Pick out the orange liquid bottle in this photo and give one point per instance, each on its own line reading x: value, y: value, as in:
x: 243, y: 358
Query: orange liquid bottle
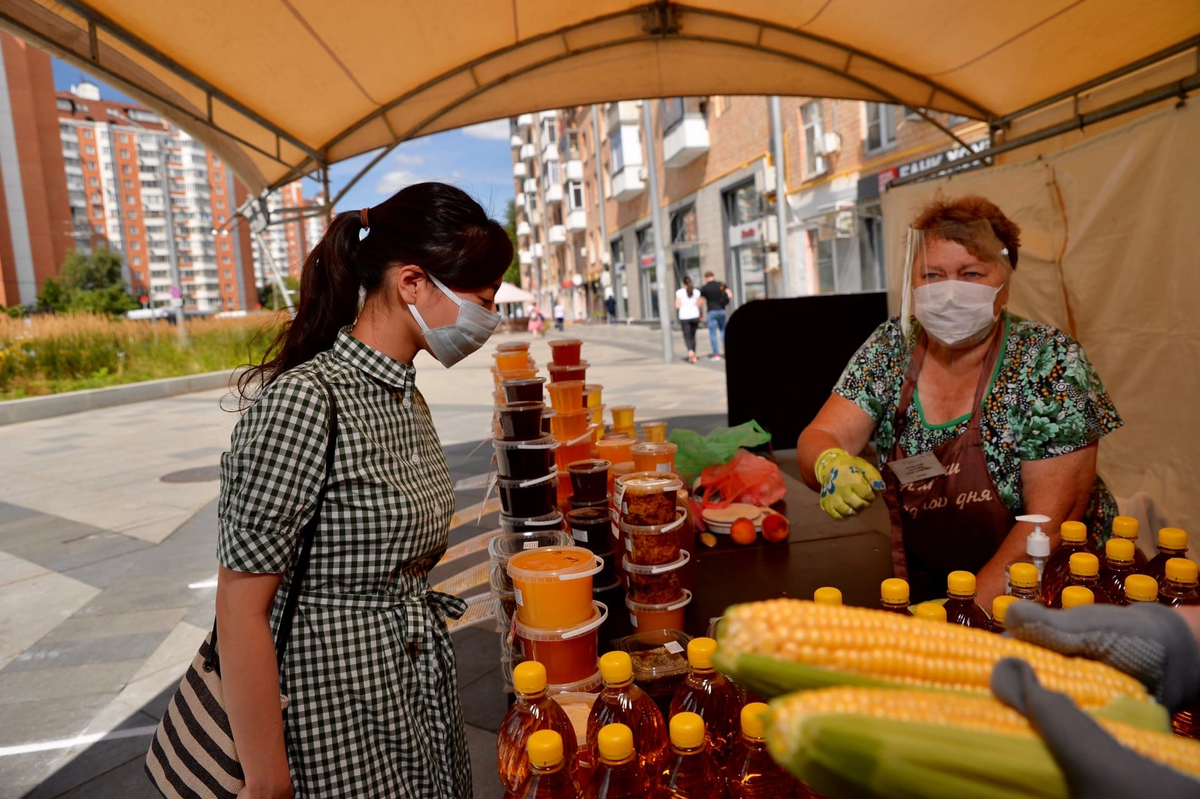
x: 1074, y: 596
x: 961, y: 607
x: 1056, y: 574
x: 1085, y: 572
x: 1138, y: 588
x: 1127, y: 527
x: 751, y: 772
x: 711, y: 696
x: 1179, y: 583
x: 548, y: 777
x: 1172, y: 543
x: 618, y: 775
x: 533, y: 710
x: 1119, y: 563
x: 622, y: 702
x: 1000, y: 610
x: 894, y: 595
x: 690, y: 772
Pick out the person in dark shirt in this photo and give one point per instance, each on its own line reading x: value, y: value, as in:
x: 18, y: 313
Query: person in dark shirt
x: 610, y: 305
x: 716, y: 297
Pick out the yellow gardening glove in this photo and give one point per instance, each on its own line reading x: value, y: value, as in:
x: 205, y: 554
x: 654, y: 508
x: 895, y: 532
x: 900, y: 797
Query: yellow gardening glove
x: 848, y: 484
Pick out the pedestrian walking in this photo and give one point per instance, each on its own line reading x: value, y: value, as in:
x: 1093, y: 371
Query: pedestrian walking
x: 687, y: 304
x: 560, y: 314
x: 716, y: 297
x: 610, y: 305
x: 537, y: 322
x: 373, y: 706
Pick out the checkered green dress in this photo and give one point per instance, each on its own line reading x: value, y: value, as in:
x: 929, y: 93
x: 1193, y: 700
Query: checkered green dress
x: 369, y: 669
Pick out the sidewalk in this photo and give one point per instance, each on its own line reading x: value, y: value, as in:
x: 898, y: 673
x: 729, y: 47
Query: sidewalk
x: 107, y: 542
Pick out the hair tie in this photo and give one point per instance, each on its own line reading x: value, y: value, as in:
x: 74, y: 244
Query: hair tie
x: 362, y: 217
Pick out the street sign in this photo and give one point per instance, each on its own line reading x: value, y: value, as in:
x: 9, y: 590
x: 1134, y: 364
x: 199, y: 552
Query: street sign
x: 175, y: 293
x: 144, y: 299
x: 176, y: 302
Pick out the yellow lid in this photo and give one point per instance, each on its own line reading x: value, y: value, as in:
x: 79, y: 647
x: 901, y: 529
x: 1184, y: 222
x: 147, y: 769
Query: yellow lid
x: 615, y: 742
x: 754, y: 720
x: 687, y: 730
x: 893, y: 589
x: 529, y: 677
x: 827, y: 596
x: 1181, y: 570
x: 1139, y: 588
x: 700, y: 652
x: 1118, y: 549
x: 616, y: 667
x: 1075, y: 532
x: 961, y: 582
x: 1075, y: 595
x: 1023, y: 575
x: 544, y: 748
x: 1172, y: 538
x: 930, y: 611
x: 1000, y: 606
x: 1125, y: 527
x: 1085, y: 564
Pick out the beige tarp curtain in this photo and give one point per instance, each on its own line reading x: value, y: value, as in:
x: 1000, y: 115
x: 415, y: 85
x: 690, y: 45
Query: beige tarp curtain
x: 1111, y: 253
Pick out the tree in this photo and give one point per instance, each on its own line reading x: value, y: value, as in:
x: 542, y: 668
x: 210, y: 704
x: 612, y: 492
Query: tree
x: 513, y: 273
x: 52, y: 298
x: 88, y: 283
x: 270, y: 298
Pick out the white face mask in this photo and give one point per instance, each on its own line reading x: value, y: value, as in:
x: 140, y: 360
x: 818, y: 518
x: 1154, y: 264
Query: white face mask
x: 470, y: 331
x: 955, y: 313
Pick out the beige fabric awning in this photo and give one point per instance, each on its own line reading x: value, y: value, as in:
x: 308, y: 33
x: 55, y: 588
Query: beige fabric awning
x: 280, y: 88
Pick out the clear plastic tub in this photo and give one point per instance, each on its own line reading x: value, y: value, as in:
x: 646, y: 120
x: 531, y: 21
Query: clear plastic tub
x: 622, y: 415
x: 568, y: 653
x: 521, y: 421
x: 596, y: 416
x: 654, y: 585
x: 565, y: 351
x: 517, y: 524
x: 592, y: 528
x: 571, y: 450
x: 498, y: 399
x: 566, y: 425
x: 654, y: 432
x: 502, y: 548
x: 511, y: 360
x: 659, y: 658
x: 645, y: 498
x: 653, y: 456
x: 553, y: 586
x: 593, y: 394
x: 500, y: 378
x: 566, y: 395
x: 576, y: 503
x: 615, y: 450
x: 525, y: 460
x: 589, y: 478
x: 528, y: 498
x: 653, y: 544
x: 661, y: 616
x: 529, y: 389
x: 510, y: 346
x: 591, y: 686
x: 563, y: 372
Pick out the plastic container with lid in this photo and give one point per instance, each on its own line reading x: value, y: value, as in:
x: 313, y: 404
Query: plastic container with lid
x: 500, y: 378
x: 1179, y: 585
x: 1138, y: 588
x: 645, y: 498
x: 654, y: 457
x: 568, y: 425
x: 894, y: 595
x: 528, y: 498
x: 659, y: 659
x: 524, y: 460
x: 624, y: 430
x: 590, y: 686
x: 510, y: 346
x: 566, y: 395
x: 654, y: 432
x: 502, y: 548
x: 511, y: 360
x: 517, y: 524
x: 654, y: 585
x: 653, y: 544
x: 615, y: 450
x: 506, y: 610
x: 592, y: 528
x: 565, y: 351
x: 568, y: 653
x: 529, y: 389
x: 576, y: 503
x: 596, y: 417
x: 521, y: 421
x: 1172, y: 543
x: 622, y: 415
x: 559, y: 372
x: 553, y: 585
x: 589, y: 479
x: 592, y: 393
x: 571, y: 450
x: 659, y: 616
x: 499, y: 398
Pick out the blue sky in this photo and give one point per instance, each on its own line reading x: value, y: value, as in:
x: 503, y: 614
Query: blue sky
x: 477, y: 159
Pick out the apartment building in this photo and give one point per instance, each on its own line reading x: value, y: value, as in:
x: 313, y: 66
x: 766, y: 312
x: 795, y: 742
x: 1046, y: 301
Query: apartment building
x: 285, y: 242
x: 717, y: 191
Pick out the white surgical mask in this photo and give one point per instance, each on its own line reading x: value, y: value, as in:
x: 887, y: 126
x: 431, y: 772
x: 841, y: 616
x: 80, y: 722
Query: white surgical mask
x: 470, y: 331
x: 955, y: 313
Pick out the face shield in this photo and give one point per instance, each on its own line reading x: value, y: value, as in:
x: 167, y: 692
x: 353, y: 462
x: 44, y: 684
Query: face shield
x: 949, y: 281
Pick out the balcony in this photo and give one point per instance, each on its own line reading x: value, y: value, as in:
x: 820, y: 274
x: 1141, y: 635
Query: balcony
x: 577, y: 221
x: 558, y: 234
x: 525, y: 121
x: 520, y: 199
x: 522, y: 228
x: 685, y: 142
x: 549, y: 153
x: 573, y: 169
x: 528, y: 152
x: 627, y: 184
x: 530, y: 185
x: 526, y: 257
x: 547, y: 115
x: 519, y: 170
x: 537, y: 250
x: 554, y: 193
x: 618, y: 114
x: 515, y: 141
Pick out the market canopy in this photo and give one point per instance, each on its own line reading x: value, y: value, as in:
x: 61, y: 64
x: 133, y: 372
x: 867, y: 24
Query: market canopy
x: 283, y: 89
x: 508, y: 293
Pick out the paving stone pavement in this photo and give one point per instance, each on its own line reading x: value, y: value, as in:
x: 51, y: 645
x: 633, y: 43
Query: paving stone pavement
x: 107, y: 559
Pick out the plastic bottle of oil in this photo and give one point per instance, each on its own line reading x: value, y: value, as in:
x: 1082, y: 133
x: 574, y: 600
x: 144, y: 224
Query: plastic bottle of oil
x: 827, y: 595
x: 622, y: 702
x: 618, y: 775
x: 533, y: 710
x: 1085, y: 572
x: 1118, y: 564
x: 690, y: 771
x: 548, y: 777
x: 893, y: 595
x: 1074, y: 596
x: 930, y: 611
x: 1172, y: 543
x: 707, y: 693
x: 1179, y: 583
x: 751, y: 773
x: 1127, y: 527
x: 1057, y: 572
x: 1000, y: 610
x: 1140, y: 588
x: 1023, y: 582
x: 961, y: 607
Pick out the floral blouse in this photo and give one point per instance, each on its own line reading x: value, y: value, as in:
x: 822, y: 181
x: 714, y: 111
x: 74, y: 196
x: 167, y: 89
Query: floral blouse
x: 1045, y: 400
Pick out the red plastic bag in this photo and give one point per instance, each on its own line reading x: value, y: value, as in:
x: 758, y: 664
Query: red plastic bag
x: 747, y: 478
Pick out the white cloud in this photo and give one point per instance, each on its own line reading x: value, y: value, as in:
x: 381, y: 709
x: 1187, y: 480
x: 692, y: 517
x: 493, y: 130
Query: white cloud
x: 394, y: 181
x: 408, y: 159
x: 496, y: 130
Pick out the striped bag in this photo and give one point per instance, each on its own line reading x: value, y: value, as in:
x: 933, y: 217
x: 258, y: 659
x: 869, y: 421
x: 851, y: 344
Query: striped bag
x: 193, y: 755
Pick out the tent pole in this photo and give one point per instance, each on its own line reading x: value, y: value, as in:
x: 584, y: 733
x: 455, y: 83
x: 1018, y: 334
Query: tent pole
x: 790, y: 284
x: 666, y: 308
x: 601, y: 201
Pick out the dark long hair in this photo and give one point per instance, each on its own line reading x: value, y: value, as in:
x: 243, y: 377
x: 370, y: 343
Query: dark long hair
x: 431, y: 225
x: 687, y: 285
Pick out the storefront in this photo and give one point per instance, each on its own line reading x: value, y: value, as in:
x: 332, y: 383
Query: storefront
x: 745, y: 237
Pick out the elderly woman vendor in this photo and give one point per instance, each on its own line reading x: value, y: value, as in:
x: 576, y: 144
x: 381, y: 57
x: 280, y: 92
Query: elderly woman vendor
x: 978, y: 416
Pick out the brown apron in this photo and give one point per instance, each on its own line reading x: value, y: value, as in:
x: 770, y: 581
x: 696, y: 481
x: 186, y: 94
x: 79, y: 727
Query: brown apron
x: 953, y: 521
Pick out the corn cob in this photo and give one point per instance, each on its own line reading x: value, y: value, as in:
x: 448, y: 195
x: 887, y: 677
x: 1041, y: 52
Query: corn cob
x: 782, y: 645
x: 894, y: 742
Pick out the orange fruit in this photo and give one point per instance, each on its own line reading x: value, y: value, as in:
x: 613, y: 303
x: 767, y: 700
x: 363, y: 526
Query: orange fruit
x: 742, y: 532
x: 775, y: 528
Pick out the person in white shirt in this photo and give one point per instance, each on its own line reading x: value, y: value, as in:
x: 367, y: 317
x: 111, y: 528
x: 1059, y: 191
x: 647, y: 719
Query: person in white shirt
x: 560, y: 314
x: 687, y: 303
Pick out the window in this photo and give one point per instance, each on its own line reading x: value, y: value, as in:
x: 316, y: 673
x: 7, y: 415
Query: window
x: 89, y: 150
x: 228, y: 287
x: 814, y: 137
x: 133, y: 231
x: 128, y: 184
x: 549, y: 131
x: 135, y: 245
x: 122, y: 138
x: 137, y: 260
x: 553, y: 175
x: 672, y: 113
x: 220, y: 218
x: 93, y: 182
x: 913, y: 115
x: 225, y: 260
x: 98, y: 212
x: 224, y: 245
x: 220, y: 205
x: 130, y: 199
x: 881, y: 127
x: 126, y: 169
x: 216, y: 161
x: 132, y: 215
x: 616, y: 152
x: 90, y: 165
x: 575, y: 195
x: 124, y: 153
x: 228, y: 274
x: 99, y: 229
x: 87, y: 133
x: 219, y: 190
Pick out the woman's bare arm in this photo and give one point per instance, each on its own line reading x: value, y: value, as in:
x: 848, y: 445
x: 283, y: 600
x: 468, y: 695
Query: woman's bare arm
x: 840, y: 423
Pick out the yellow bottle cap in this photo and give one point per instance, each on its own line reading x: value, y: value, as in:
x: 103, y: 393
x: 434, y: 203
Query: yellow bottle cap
x: 1085, y: 564
x: 1075, y: 532
x: 700, y: 652
x: 616, y: 667
x: 545, y: 748
x: 687, y: 730
x: 1172, y: 538
x: 893, y: 589
x: 529, y: 677
x: 754, y: 720
x: 1181, y: 570
x: 961, y: 582
x: 930, y: 611
x: 827, y: 596
x: 1023, y: 575
x: 615, y: 742
x: 1000, y: 607
x: 1125, y: 527
x: 1075, y: 595
x: 1138, y: 588
x: 1119, y: 550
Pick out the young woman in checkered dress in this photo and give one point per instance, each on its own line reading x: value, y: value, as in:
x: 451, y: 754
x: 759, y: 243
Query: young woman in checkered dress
x: 369, y: 671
